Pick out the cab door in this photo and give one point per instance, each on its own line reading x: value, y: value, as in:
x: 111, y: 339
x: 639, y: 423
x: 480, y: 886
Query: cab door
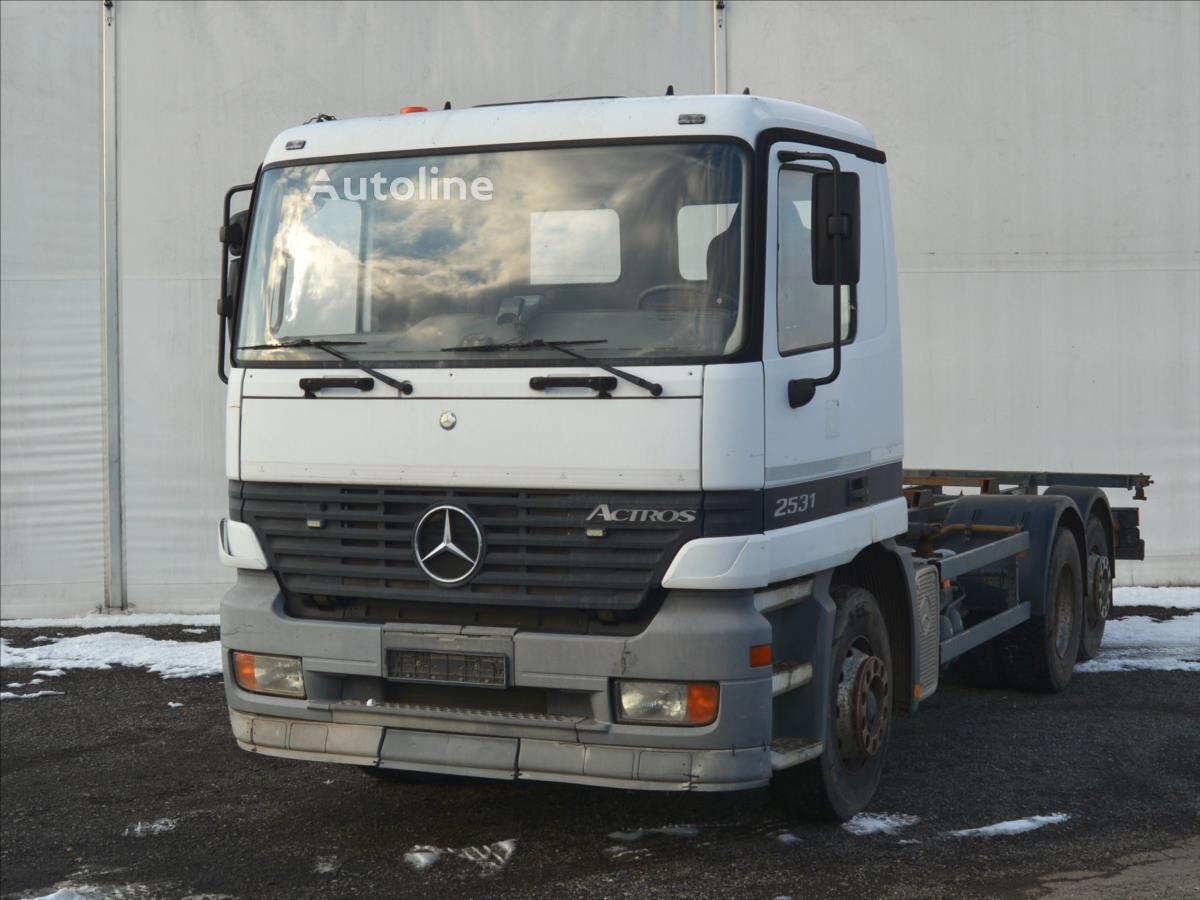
x: 836, y: 458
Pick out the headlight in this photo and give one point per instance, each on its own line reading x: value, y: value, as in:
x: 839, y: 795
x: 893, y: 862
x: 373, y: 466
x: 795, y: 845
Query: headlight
x: 666, y: 702
x: 268, y: 674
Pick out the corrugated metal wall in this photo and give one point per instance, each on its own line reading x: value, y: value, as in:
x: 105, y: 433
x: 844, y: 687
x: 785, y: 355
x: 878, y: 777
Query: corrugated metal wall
x: 1041, y: 162
x: 1045, y: 170
x: 51, y: 436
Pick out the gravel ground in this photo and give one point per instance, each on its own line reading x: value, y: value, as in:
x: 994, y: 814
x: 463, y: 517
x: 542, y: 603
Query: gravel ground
x: 110, y: 790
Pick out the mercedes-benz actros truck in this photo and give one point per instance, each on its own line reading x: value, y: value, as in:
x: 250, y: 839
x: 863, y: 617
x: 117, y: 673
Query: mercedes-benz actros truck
x: 565, y: 440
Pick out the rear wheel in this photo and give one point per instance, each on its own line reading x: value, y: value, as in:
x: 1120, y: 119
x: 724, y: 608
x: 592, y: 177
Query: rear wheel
x: 1097, y: 602
x: 844, y: 779
x: 1040, y: 654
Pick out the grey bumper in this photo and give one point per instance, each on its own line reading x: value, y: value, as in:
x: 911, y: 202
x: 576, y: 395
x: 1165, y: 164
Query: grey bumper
x: 696, y: 636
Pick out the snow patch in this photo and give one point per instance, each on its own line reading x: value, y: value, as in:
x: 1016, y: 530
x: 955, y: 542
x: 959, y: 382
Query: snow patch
x: 77, y: 892
x: 116, y: 620
x: 421, y: 858
x: 146, y: 829
x: 1013, y: 826
x: 879, y: 823
x: 173, y: 704
x: 787, y: 838
x: 1164, y: 597
x: 50, y: 673
x: 195, y: 631
x: 170, y: 659
x: 326, y: 865
x: 1140, y: 642
x: 70, y: 890
x: 490, y: 858
x: 9, y: 695
x: 683, y: 831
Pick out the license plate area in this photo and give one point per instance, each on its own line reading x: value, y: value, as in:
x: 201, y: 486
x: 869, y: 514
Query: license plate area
x: 489, y: 670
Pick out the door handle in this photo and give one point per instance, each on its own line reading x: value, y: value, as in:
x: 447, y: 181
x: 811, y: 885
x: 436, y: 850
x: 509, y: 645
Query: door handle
x: 602, y: 384
x: 858, y: 490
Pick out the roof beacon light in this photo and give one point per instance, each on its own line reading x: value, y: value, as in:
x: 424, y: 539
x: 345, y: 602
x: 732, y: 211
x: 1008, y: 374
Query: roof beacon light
x: 412, y: 109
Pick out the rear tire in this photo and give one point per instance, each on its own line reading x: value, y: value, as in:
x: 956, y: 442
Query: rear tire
x: 841, y: 783
x: 1097, y: 601
x: 1039, y: 655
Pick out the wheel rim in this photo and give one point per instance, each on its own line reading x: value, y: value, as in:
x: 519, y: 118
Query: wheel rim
x: 863, y: 707
x: 1101, y: 587
x: 1064, y: 608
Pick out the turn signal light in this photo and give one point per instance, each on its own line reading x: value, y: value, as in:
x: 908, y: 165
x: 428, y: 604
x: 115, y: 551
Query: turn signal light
x: 760, y: 655
x: 702, y: 703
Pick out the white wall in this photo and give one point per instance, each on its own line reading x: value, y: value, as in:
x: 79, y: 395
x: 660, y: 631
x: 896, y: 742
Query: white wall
x: 1045, y: 167
x: 1044, y: 159
x: 51, y: 440
x: 203, y: 89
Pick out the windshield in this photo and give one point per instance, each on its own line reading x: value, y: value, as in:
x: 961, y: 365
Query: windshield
x: 637, y: 248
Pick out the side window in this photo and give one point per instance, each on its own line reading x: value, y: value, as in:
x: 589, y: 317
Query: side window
x: 804, y: 308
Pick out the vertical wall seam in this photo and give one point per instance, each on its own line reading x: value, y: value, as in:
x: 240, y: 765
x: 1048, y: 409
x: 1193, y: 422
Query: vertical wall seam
x: 115, y: 594
x: 720, y: 48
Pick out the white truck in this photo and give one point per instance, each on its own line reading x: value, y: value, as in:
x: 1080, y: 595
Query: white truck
x: 564, y: 442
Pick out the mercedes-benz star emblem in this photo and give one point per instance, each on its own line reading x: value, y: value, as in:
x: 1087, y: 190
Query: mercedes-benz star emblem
x: 448, y: 545
x: 447, y: 420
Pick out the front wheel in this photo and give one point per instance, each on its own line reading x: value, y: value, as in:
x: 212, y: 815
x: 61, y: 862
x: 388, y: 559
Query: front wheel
x: 841, y: 783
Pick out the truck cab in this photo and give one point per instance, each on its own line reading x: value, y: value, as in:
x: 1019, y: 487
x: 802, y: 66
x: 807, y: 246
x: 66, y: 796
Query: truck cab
x: 564, y: 442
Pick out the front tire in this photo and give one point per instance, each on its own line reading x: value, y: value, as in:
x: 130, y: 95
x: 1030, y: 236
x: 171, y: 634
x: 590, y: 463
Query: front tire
x: 842, y: 781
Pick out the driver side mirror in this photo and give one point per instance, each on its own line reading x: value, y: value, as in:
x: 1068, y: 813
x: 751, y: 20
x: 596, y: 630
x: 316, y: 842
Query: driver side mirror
x: 233, y: 244
x: 233, y: 234
x: 830, y: 222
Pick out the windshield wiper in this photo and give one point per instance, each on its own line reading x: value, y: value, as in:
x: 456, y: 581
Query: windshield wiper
x: 404, y: 387
x: 653, y: 387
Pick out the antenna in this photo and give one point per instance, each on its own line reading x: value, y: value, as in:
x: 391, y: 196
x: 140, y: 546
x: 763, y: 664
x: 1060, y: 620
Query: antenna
x: 670, y: 90
x: 447, y: 106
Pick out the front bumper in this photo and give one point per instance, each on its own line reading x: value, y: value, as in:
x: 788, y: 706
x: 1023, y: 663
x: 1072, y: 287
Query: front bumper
x: 354, y: 714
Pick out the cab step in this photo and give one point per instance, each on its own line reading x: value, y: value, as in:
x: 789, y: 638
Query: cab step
x: 787, y: 676
x: 791, y: 751
x: 775, y: 599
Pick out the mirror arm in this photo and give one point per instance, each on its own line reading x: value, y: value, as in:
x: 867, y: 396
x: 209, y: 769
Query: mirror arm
x: 802, y: 390
x: 225, y: 302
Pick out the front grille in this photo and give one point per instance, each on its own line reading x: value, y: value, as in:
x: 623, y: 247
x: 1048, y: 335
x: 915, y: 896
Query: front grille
x: 339, y: 544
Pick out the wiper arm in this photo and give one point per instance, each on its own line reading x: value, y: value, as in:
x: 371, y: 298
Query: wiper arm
x: 404, y: 387
x: 653, y: 387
